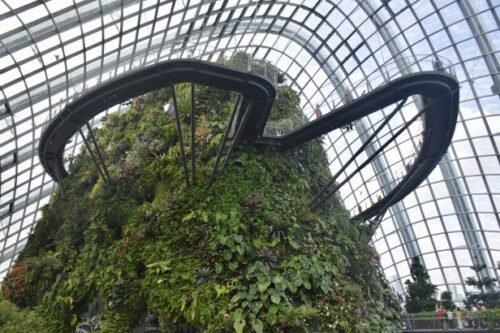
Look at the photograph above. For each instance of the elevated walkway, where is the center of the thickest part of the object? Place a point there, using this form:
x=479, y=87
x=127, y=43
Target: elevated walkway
x=440, y=91
x=469, y=322
x=257, y=93
x=448, y=330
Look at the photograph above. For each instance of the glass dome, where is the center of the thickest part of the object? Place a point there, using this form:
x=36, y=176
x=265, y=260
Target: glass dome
x=53, y=51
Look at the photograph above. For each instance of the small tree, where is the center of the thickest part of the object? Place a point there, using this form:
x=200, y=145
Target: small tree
x=485, y=292
x=420, y=294
x=447, y=300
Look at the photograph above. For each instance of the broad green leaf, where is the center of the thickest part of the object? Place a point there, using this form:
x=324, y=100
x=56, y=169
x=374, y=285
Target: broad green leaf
x=257, y=243
x=227, y=255
x=221, y=290
x=275, y=299
x=274, y=242
x=220, y=217
x=262, y=286
x=236, y=298
x=293, y=243
x=193, y=307
x=239, y=325
x=223, y=239
x=183, y=303
x=204, y=216
x=255, y=306
x=189, y=216
x=258, y=326
x=271, y=318
x=277, y=279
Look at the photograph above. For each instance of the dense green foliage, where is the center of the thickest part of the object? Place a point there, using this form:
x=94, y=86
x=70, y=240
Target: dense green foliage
x=446, y=300
x=485, y=292
x=245, y=254
x=490, y=319
x=14, y=320
x=420, y=294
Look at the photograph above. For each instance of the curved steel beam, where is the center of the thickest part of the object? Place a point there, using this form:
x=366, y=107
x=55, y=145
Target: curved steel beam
x=440, y=118
x=440, y=89
x=252, y=87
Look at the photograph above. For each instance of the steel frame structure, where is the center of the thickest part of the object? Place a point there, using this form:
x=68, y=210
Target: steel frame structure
x=52, y=51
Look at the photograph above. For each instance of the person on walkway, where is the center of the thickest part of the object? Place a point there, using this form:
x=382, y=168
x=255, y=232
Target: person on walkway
x=449, y=318
x=480, y=307
x=441, y=316
x=475, y=320
x=317, y=111
x=438, y=64
x=469, y=318
x=458, y=315
x=347, y=97
x=348, y=127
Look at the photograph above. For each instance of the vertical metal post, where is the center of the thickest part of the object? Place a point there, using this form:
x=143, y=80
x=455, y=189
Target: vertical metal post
x=59, y=180
x=370, y=158
x=179, y=133
x=193, y=141
x=237, y=136
x=98, y=151
x=237, y=106
x=91, y=154
x=359, y=151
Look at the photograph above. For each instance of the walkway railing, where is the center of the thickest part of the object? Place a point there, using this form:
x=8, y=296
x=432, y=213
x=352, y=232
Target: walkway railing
x=468, y=323
x=343, y=95
x=255, y=66
x=282, y=127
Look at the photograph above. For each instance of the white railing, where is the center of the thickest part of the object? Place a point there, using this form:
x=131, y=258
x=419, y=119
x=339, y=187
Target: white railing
x=255, y=66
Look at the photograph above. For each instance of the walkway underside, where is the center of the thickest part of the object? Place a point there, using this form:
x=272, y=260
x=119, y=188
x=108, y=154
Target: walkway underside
x=439, y=92
x=441, y=97
x=256, y=91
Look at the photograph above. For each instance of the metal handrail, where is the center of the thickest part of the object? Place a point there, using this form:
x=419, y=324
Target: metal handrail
x=468, y=322
x=256, y=66
x=388, y=72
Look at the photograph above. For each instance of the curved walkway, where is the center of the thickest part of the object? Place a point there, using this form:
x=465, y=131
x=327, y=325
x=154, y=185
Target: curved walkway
x=255, y=89
x=439, y=90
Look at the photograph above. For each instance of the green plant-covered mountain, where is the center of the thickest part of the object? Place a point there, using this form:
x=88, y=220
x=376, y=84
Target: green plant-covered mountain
x=244, y=254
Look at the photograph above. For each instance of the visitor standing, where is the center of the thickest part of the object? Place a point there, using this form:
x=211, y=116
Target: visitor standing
x=438, y=64
x=317, y=111
x=475, y=320
x=469, y=318
x=458, y=315
x=347, y=97
x=441, y=316
x=449, y=318
x=480, y=308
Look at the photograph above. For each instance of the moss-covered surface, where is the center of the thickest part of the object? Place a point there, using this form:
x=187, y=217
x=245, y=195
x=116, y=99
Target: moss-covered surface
x=245, y=254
